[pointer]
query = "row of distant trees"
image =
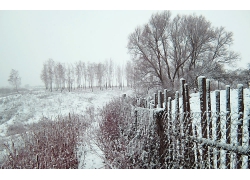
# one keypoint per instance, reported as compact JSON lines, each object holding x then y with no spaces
{"x":60,"y":76}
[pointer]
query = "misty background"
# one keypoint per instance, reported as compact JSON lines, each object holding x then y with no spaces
{"x":28,"y":38}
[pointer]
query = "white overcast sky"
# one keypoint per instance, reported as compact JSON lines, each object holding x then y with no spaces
{"x":28,"y":38}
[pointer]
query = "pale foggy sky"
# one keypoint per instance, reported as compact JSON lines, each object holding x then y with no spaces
{"x":28,"y":38}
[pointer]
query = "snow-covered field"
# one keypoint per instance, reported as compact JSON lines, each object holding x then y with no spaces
{"x":30,"y":106}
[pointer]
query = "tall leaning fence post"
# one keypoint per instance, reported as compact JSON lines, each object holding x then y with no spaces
{"x":202,"y":92}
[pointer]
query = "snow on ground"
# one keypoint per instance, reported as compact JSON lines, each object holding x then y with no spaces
{"x":31,"y":106}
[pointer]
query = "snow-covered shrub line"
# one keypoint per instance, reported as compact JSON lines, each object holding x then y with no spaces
{"x":45,"y":145}
{"x":128,"y":139}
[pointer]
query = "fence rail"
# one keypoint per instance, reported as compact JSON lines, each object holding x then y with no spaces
{"x":202,"y":139}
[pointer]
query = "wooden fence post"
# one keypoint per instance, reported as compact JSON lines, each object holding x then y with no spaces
{"x":159,"y":99}
{"x":182,"y":95}
{"x":187,"y":101}
{"x":218,"y":128}
{"x":177,"y":128}
{"x":170,"y":122}
{"x":209,"y":120}
{"x":189,"y":154}
{"x":228,"y":126}
{"x":136,"y":119}
{"x":165,"y":100}
{"x":155,"y":100}
{"x":240,"y":122}
{"x":183,"y":116}
{"x":170,"y":111}
{"x":202,"y":92}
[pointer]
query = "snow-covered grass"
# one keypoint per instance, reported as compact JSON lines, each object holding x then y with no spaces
{"x":18,"y":111}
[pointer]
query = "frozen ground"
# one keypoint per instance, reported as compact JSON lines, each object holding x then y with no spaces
{"x":30,"y":106}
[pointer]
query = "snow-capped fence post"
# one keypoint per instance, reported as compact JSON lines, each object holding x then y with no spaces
{"x":176,"y":125}
{"x":209,"y":120}
{"x":188,"y":152}
{"x":202,"y":92}
{"x":240,"y":123}
{"x":228,"y":125}
{"x":159,"y":99}
{"x":165,"y":100}
{"x":155,"y":100}
{"x":183,"y":118}
{"x":217,"y":124}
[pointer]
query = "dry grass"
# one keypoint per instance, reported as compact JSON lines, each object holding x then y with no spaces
{"x":47,"y":144}
{"x":125,"y":143}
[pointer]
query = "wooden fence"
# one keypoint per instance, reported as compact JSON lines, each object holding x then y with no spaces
{"x":205,"y":139}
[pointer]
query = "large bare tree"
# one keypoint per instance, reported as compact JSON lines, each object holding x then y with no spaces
{"x":185,"y":46}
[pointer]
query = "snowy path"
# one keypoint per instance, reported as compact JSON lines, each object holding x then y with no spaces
{"x":31,"y":106}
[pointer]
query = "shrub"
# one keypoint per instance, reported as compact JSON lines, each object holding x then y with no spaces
{"x":47,"y":144}
{"x":126,"y":141}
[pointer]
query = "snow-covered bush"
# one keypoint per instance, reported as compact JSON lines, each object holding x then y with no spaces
{"x":126,"y":142}
{"x":46,"y":144}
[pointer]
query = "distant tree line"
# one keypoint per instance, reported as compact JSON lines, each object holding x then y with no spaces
{"x":60,"y":76}
{"x":162,"y":51}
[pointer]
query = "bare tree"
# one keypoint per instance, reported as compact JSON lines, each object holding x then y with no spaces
{"x":110,"y":73}
{"x":44,"y":75}
{"x":70,"y":77}
{"x":15,"y":79}
{"x":84,"y":74}
{"x":78,"y":72}
{"x":183,"y":47}
{"x":50,"y":69}
{"x":61,"y":74}
{"x":100,"y":74}
{"x":57,"y":76}
{"x":91,"y":75}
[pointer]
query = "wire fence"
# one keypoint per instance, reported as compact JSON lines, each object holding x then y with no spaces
{"x":203,"y":140}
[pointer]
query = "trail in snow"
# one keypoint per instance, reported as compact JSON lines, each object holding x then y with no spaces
{"x":30,"y":106}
